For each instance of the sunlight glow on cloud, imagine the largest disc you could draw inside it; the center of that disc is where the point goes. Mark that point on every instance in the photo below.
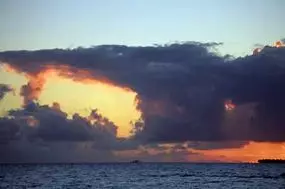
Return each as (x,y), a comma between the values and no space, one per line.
(80,93)
(248,153)
(11,100)
(186,103)
(114,103)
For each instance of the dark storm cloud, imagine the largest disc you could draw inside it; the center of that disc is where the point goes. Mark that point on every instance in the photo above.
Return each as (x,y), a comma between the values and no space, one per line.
(41,122)
(26,151)
(8,130)
(41,133)
(4,89)
(181,88)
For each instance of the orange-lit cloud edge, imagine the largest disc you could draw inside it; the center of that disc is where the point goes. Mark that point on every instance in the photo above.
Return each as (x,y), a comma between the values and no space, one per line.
(250,152)
(277,44)
(36,83)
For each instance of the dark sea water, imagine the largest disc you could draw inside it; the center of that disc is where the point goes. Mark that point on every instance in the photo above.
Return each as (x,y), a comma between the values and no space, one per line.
(142,176)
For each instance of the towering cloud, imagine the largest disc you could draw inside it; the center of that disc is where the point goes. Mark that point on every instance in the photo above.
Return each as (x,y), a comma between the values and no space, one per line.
(182,89)
(33,88)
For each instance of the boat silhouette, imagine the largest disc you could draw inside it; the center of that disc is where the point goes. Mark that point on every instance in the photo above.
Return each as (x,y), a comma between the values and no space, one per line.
(136,161)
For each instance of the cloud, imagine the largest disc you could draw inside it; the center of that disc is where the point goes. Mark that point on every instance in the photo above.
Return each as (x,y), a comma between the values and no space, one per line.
(8,130)
(41,122)
(4,89)
(26,151)
(161,153)
(216,145)
(41,133)
(33,88)
(181,89)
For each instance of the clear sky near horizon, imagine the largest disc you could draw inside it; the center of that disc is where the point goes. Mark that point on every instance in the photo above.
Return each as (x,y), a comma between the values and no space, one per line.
(38,24)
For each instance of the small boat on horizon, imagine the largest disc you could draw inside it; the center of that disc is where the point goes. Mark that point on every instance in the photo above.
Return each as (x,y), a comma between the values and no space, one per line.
(135,161)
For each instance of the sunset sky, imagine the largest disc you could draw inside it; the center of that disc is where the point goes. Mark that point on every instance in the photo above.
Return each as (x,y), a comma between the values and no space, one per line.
(95,81)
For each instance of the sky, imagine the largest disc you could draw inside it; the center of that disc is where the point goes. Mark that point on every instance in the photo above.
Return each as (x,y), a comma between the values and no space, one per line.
(42,24)
(159,90)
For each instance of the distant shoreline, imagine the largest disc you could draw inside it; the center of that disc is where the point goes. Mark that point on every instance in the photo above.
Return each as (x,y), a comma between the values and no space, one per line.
(279,161)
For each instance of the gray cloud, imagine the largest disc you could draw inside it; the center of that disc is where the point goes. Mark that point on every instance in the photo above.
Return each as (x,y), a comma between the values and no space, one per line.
(4,89)
(51,124)
(181,88)
(39,133)
(26,151)
(216,145)
(8,130)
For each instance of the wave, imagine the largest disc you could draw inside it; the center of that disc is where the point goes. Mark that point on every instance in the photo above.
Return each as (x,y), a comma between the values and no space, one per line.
(170,175)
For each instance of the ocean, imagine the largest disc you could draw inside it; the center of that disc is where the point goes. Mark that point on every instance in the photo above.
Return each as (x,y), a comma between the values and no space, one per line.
(142,176)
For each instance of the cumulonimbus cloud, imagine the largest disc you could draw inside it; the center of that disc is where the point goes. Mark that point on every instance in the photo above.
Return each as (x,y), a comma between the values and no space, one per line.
(181,88)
